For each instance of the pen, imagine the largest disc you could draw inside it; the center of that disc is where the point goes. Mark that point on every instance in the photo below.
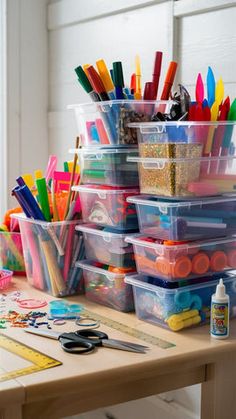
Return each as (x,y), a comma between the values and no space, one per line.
(157,71)
(170,75)
(138,90)
(106,78)
(118,79)
(85,83)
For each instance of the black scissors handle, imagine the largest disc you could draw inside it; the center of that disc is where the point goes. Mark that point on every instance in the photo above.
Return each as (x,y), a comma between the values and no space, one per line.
(81,341)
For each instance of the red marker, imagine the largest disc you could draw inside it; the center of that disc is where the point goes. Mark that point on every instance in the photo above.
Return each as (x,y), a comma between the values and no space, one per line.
(149,91)
(97,83)
(133,83)
(157,71)
(170,75)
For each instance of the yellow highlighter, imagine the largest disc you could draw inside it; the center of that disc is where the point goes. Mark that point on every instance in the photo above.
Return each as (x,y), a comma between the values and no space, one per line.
(106,78)
(138,90)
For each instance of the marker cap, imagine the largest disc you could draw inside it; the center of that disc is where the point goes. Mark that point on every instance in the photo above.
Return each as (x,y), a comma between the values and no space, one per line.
(170,75)
(118,74)
(83,79)
(95,80)
(105,75)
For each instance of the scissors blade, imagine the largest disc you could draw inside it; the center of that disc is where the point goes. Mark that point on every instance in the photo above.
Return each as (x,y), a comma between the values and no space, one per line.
(130,344)
(43,332)
(114,344)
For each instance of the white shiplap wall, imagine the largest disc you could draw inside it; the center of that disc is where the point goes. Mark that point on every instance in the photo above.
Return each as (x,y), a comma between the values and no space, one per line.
(118,36)
(197,33)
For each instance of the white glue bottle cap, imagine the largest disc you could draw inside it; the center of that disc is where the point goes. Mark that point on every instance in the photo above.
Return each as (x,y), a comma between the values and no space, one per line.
(220,290)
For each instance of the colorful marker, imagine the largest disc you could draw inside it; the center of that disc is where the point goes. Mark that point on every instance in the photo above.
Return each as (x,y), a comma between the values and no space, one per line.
(170,75)
(106,78)
(118,79)
(157,71)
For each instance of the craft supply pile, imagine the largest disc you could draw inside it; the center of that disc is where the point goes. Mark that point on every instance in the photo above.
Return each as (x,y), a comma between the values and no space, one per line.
(144,217)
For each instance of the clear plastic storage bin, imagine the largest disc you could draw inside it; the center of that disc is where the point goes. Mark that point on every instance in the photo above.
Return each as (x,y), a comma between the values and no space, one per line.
(106,246)
(11,252)
(107,287)
(107,206)
(182,177)
(50,251)
(186,220)
(105,124)
(108,166)
(177,308)
(173,262)
(216,137)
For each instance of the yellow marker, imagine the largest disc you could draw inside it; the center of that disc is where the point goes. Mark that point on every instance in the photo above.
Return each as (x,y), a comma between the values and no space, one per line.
(105,75)
(70,167)
(29,180)
(219,92)
(138,91)
(214,115)
(38,174)
(85,66)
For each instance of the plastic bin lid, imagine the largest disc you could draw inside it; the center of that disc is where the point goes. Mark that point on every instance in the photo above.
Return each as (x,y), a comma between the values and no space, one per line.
(138,280)
(158,162)
(99,150)
(103,190)
(120,102)
(144,241)
(179,123)
(152,201)
(112,276)
(102,231)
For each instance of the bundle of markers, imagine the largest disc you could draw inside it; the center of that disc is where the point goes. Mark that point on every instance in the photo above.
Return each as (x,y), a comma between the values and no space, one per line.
(11,252)
(51,212)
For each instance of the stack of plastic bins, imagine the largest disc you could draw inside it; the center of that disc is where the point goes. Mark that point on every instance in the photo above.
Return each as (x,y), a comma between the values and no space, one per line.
(187,233)
(107,180)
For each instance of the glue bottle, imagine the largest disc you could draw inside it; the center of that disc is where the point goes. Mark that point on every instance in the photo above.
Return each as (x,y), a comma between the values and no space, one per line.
(220,312)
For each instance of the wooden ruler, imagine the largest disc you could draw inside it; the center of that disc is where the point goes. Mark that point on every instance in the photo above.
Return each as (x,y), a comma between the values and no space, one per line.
(129,330)
(39,360)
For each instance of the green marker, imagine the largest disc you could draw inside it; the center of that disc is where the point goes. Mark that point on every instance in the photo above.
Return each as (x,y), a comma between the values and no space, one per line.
(85,83)
(43,198)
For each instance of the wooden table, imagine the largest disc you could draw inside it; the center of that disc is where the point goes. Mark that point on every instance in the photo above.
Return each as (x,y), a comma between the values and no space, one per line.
(106,377)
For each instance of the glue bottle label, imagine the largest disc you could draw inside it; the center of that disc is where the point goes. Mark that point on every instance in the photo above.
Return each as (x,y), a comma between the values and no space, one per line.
(219,319)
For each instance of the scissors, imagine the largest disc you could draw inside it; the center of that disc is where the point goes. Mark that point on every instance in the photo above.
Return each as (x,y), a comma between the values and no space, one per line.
(87,340)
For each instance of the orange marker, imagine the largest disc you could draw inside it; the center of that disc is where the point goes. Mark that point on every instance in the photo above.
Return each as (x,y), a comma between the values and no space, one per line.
(170,75)
(231,258)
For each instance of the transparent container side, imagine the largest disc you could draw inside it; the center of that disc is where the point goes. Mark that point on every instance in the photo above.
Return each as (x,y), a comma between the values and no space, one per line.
(105,124)
(108,248)
(188,176)
(107,288)
(108,207)
(11,253)
(174,262)
(51,251)
(188,220)
(179,308)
